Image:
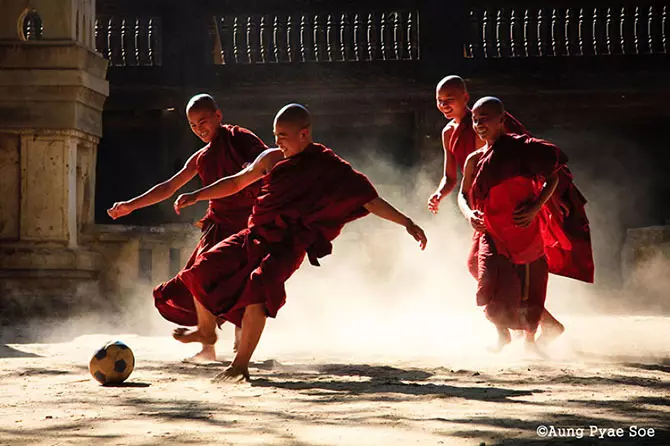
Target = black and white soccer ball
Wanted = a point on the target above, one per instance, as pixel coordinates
(112, 364)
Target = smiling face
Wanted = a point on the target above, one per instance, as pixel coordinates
(451, 101)
(488, 122)
(291, 138)
(204, 123)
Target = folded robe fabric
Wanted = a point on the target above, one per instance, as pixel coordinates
(232, 149)
(304, 203)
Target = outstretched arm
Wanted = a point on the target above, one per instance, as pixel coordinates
(159, 192)
(383, 209)
(449, 178)
(475, 217)
(232, 184)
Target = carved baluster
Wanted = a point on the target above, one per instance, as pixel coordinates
(610, 32)
(623, 31)
(652, 30)
(413, 41)
(664, 29)
(252, 40)
(542, 33)
(638, 31)
(139, 39)
(372, 37)
(237, 40)
(278, 32)
(304, 47)
(358, 32)
(555, 33)
(515, 32)
(319, 41)
(331, 39)
(345, 33)
(291, 43)
(502, 27)
(398, 37)
(384, 36)
(113, 42)
(263, 40)
(151, 42)
(528, 49)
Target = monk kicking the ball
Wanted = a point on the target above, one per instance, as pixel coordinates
(308, 195)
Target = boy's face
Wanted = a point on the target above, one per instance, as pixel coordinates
(487, 123)
(290, 138)
(452, 102)
(204, 123)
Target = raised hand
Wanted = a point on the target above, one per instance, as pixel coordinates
(120, 209)
(184, 200)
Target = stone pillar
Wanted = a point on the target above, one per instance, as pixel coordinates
(52, 90)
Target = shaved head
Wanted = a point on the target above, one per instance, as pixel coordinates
(452, 82)
(492, 105)
(202, 102)
(294, 114)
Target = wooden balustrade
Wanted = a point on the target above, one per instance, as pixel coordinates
(129, 41)
(328, 37)
(545, 31)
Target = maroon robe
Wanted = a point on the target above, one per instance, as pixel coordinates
(566, 208)
(512, 268)
(304, 203)
(232, 149)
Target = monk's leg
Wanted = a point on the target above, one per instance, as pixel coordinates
(550, 328)
(238, 335)
(504, 338)
(253, 323)
(205, 333)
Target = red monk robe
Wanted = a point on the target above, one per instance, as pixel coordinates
(231, 150)
(573, 258)
(512, 268)
(303, 205)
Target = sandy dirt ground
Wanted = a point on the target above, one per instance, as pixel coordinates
(608, 372)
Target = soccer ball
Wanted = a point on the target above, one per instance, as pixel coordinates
(112, 364)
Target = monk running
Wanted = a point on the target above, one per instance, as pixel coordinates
(505, 188)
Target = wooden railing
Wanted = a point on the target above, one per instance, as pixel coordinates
(510, 32)
(129, 41)
(332, 37)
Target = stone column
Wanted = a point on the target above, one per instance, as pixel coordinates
(52, 90)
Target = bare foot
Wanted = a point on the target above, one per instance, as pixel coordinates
(532, 347)
(187, 335)
(233, 374)
(207, 354)
(504, 338)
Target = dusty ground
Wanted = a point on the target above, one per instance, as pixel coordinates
(615, 376)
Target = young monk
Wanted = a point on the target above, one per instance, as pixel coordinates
(458, 137)
(459, 140)
(229, 149)
(505, 188)
(307, 197)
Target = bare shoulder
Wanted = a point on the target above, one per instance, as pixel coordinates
(268, 158)
(449, 127)
(475, 156)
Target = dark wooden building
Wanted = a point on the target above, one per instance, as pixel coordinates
(592, 76)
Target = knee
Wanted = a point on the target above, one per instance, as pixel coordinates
(255, 310)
